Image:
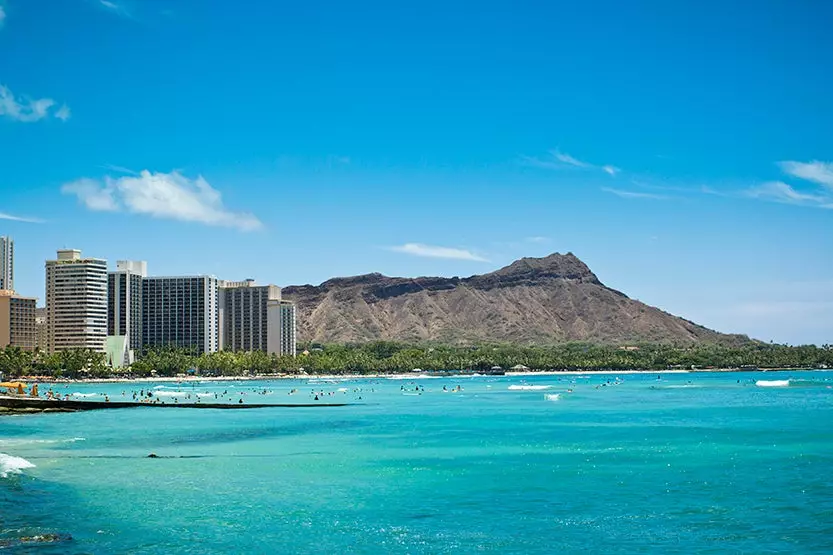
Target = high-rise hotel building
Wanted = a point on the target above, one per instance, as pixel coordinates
(124, 305)
(76, 302)
(17, 321)
(284, 343)
(124, 311)
(7, 263)
(254, 318)
(181, 312)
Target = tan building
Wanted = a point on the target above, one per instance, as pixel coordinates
(17, 320)
(41, 330)
(254, 318)
(76, 302)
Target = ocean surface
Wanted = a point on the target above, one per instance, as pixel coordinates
(682, 463)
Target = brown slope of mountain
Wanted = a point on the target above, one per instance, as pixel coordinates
(533, 300)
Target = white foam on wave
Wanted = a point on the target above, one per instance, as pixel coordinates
(77, 394)
(22, 441)
(9, 464)
(343, 389)
(772, 383)
(529, 387)
(172, 393)
(552, 396)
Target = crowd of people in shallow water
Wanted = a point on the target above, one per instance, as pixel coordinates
(178, 392)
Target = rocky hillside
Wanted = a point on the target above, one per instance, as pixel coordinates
(533, 300)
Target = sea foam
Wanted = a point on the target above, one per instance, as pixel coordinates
(12, 465)
(552, 396)
(772, 383)
(529, 387)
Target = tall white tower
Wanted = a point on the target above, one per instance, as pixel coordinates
(6, 263)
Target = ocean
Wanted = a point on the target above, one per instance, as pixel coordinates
(628, 463)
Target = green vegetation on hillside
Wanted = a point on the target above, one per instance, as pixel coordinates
(390, 357)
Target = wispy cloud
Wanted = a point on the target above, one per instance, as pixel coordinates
(29, 109)
(4, 216)
(537, 239)
(161, 195)
(2, 16)
(820, 174)
(63, 113)
(781, 192)
(815, 171)
(634, 194)
(118, 8)
(557, 160)
(567, 159)
(429, 251)
(119, 169)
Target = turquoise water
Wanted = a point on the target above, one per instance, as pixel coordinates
(707, 463)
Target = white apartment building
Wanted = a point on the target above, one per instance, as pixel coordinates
(181, 312)
(7, 263)
(124, 309)
(76, 302)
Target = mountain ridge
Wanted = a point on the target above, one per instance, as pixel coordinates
(546, 300)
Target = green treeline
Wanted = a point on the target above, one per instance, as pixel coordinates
(390, 357)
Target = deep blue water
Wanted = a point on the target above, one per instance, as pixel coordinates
(706, 463)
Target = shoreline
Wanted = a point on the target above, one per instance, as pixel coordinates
(395, 376)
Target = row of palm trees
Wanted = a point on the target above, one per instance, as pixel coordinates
(386, 356)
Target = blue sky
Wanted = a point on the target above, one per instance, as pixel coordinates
(682, 149)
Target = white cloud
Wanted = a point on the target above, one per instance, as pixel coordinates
(815, 171)
(4, 216)
(418, 249)
(28, 109)
(781, 192)
(634, 194)
(118, 8)
(161, 195)
(534, 162)
(63, 113)
(567, 159)
(558, 160)
(92, 194)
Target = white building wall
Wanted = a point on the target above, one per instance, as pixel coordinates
(76, 302)
(7, 263)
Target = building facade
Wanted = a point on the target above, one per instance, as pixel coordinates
(287, 328)
(7, 263)
(244, 315)
(76, 302)
(254, 318)
(17, 321)
(41, 329)
(124, 303)
(181, 312)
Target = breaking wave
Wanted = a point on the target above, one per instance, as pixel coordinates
(10, 464)
(772, 383)
(39, 441)
(552, 397)
(529, 387)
